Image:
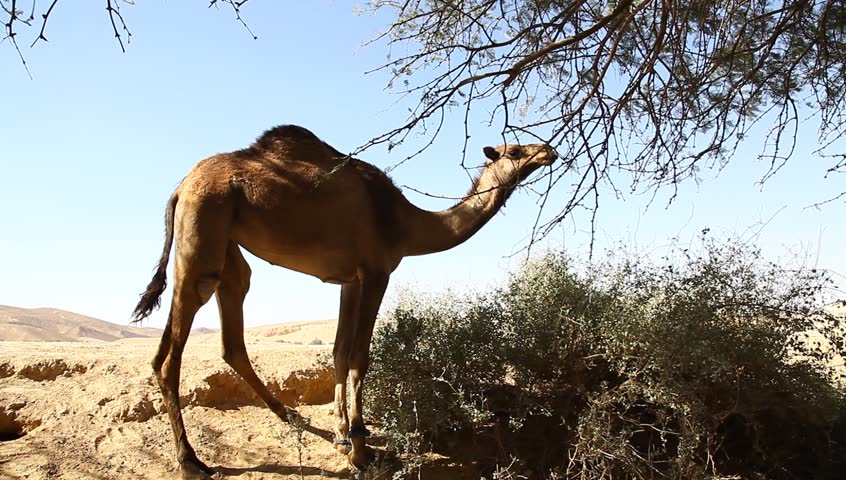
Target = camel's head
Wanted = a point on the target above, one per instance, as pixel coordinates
(521, 160)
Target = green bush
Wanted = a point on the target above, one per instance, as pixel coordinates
(694, 368)
(431, 363)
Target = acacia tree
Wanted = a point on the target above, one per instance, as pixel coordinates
(655, 89)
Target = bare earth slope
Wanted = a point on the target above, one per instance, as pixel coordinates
(80, 401)
(53, 325)
(93, 411)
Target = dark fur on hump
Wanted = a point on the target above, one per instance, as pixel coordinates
(289, 134)
(285, 137)
(384, 195)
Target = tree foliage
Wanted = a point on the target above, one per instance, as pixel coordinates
(654, 89)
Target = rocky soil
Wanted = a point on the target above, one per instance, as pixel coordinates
(76, 410)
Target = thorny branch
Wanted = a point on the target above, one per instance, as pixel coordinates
(236, 9)
(114, 11)
(10, 33)
(44, 18)
(648, 92)
(15, 21)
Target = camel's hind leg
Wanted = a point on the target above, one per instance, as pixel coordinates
(199, 261)
(167, 365)
(234, 284)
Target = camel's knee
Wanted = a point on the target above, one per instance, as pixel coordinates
(233, 351)
(164, 348)
(355, 379)
(357, 375)
(357, 387)
(157, 363)
(161, 356)
(234, 357)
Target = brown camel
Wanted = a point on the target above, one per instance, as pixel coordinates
(296, 202)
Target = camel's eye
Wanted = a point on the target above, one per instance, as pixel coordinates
(515, 152)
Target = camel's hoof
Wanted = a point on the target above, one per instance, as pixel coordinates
(195, 470)
(360, 458)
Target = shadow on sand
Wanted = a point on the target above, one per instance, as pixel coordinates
(280, 469)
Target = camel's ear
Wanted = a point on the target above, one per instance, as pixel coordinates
(491, 153)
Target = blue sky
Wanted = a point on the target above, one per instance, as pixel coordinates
(94, 144)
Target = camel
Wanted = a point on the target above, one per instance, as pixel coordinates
(294, 201)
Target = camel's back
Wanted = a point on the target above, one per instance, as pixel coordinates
(285, 160)
(297, 202)
(290, 173)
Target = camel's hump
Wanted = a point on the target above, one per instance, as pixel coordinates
(290, 135)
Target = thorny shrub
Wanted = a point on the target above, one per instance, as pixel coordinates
(702, 366)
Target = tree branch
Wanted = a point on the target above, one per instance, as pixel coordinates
(44, 18)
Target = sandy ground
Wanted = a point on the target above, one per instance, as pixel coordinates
(94, 411)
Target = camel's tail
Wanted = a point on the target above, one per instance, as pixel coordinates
(150, 299)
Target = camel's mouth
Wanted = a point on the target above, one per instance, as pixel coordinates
(548, 157)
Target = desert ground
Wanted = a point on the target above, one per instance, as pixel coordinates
(78, 400)
(91, 409)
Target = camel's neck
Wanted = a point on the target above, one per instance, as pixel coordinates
(430, 232)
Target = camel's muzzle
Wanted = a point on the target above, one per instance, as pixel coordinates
(550, 157)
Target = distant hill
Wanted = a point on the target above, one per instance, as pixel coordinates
(54, 325)
(311, 332)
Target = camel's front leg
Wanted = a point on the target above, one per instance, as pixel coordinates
(347, 316)
(372, 290)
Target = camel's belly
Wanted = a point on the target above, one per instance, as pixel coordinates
(327, 266)
(334, 251)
